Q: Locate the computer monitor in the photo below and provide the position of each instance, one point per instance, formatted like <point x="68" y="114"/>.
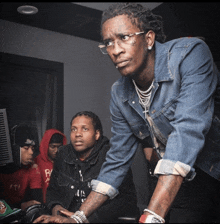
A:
<point x="5" y="143"/>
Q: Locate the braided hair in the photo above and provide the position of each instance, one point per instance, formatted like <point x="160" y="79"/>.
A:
<point x="140" y="16"/>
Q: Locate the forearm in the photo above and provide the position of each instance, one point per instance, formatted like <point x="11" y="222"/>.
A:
<point x="93" y="202"/>
<point x="164" y="194"/>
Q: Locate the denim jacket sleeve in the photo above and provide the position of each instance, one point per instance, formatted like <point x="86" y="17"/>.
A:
<point x="194" y="110"/>
<point x="123" y="147"/>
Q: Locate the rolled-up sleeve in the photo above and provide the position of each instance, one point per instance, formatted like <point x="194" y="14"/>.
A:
<point x="193" y="114"/>
<point x="103" y="188"/>
<point x="174" y="168"/>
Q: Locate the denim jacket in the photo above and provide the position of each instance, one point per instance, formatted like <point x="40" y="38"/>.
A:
<point x="181" y="112"/>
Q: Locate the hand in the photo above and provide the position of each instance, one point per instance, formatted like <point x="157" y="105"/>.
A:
<point x="151" y="156"/>
<point x="53" y="219"/>
<point x="24" y="205"/>
<point x="56" y="209"/>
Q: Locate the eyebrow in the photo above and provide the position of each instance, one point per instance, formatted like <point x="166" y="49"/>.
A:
<point x="117" y="35"/>
<point x="84" y="125"/>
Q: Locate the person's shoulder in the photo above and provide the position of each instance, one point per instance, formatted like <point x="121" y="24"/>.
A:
<point x="64" y="148"/>
<point x="39" y="159"/>
<point x="184" y="42"/>
<point x="34" y="171"/>
<point x="34" y="166"/>
<point x="63" y="152"/>
<point x="118" y="81"/>
<point x="105" y="143"/>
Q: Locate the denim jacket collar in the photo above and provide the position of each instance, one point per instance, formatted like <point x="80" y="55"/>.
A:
<point x="161" y="74"/>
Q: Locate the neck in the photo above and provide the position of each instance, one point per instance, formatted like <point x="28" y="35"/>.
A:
<point x="84" y="155"/>
<point x="145" y="78"/>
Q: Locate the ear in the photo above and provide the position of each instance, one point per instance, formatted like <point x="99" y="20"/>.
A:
<point x="150" y="38"/>
<point x="97" y="135"/>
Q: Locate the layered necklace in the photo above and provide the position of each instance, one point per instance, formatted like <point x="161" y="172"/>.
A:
<point x="144" y="96"/>
<point x="144" y="100"/>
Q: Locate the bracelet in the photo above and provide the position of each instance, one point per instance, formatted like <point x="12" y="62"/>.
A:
<point x="156" y="216"/>
<point x="76" y="218"/>
<point x="77" y="221"/>
<point x="149" y="219"/>
<point x="79" y="216"/>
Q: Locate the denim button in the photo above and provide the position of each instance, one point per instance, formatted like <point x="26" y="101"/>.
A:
<point x="72" y="187"/>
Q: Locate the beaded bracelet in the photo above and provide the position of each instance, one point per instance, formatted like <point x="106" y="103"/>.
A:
<point x="79" y="217"/>
<point x="75" y="218"/>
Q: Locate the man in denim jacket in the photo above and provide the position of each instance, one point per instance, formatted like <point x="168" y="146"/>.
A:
<point x="165" y="100"/>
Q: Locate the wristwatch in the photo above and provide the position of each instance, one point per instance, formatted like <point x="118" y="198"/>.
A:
<point x="149" y="219"/>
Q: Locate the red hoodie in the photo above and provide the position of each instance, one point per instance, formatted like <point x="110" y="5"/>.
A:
<point x="45" y="165"/>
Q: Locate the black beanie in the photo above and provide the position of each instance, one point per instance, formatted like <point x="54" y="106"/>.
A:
<point x="22" y="136"/>
<point x="56" y="138"/>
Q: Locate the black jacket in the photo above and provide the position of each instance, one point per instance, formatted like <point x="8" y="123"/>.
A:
<point x="69" y="189"/>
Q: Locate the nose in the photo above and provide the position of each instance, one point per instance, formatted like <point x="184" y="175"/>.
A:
<point x="117" y="48"/>
<point x="56" y="149"/>
<point x="79" y="133"/>
<point x="31" y="151"/>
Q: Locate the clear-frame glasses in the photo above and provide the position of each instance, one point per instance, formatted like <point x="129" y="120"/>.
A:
<point x="124" y="39"/>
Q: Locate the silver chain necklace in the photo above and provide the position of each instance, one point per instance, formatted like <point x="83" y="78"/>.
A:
<point x="144" y="96"/>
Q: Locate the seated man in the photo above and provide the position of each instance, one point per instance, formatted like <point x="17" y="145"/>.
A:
<point x="20" y="181"/>
<point x="76" y="165"/>
<point x="49" y="145"/>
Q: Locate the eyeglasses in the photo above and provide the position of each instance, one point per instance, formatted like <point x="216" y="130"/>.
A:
<point x="124" y="39"/>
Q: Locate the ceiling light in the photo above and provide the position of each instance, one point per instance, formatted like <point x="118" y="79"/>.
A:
<point x="27" y="9"/>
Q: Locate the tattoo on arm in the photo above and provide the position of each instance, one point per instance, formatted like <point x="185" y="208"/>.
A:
<point x="93" y="202"/>
<point x="165" y="193"/>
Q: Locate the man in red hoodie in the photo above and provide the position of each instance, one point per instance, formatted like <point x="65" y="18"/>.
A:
<point x="20" y="181"/>
<point x="49" y="145"/>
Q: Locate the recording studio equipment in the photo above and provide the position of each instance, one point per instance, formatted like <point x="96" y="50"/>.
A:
<point x="5" y="143"/>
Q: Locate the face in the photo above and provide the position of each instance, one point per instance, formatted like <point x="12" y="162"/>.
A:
<point x="53" y="149"/>
<point x="83" y="135"/>
<point x="2" y="208"/>
<point x="130" y="59"/>
<point x="27" y="154"/>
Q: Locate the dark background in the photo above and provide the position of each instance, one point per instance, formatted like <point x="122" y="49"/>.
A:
<point x="180" y="19"/>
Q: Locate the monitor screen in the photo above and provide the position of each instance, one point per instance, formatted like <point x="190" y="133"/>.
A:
<point x="5" y="143"/>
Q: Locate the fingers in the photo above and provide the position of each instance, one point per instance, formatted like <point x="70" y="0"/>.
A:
<point x="36" y="202"/>
<point x="66" y="213"/>
<point x="52" y="219"/>
<point x="55" y="210"/>
<point x="42" y="219"/>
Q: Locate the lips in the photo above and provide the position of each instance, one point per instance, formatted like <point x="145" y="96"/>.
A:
<point x="122" y="63"/>
<point x="78" y="143"/>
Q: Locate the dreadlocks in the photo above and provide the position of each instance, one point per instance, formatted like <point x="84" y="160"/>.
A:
<point x="142" y="17"/>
